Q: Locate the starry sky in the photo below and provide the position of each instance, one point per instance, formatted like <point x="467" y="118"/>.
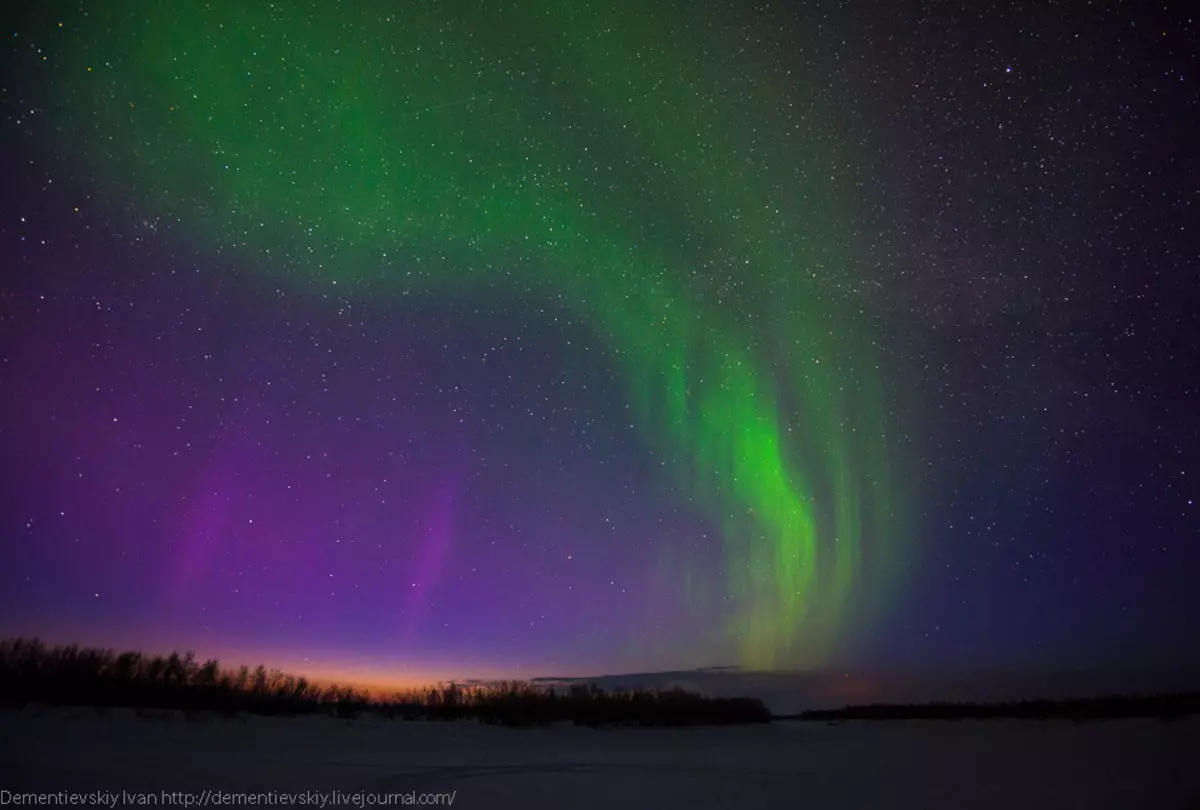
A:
<point x="402" y="341"/>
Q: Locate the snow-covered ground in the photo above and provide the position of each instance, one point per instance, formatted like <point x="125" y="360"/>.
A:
<point x="914" y="764"/>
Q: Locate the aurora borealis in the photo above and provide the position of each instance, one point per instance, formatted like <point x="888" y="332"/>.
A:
<point x="414" y="340"/>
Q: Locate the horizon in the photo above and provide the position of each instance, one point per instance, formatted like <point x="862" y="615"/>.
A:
<point x="782" y="691"/>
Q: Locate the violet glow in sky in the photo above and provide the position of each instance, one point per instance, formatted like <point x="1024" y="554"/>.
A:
<point x="273" y="390"/>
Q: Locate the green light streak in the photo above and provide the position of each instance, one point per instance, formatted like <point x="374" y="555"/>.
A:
<point x="682" y="204"/>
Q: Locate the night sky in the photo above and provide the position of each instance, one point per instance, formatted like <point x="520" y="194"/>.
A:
<point x="399" y="341"/>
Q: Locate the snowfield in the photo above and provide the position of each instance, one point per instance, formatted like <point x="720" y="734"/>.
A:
<point x="370" y="762"/>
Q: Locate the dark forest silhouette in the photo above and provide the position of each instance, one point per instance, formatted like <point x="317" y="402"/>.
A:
<point x="1108" y="707"/>
<point x="32" y="672"/>
<point x="70" y="675"/>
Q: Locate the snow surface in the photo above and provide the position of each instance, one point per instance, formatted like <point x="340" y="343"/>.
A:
<point x="902" y="764"/>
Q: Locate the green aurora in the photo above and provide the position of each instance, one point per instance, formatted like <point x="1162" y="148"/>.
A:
<point x="645" y="168"/>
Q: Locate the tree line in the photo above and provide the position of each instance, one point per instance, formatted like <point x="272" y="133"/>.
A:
<point x="33" y="672"/>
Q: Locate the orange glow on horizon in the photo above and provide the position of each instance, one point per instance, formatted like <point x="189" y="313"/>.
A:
<point x="318" y="666"/>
